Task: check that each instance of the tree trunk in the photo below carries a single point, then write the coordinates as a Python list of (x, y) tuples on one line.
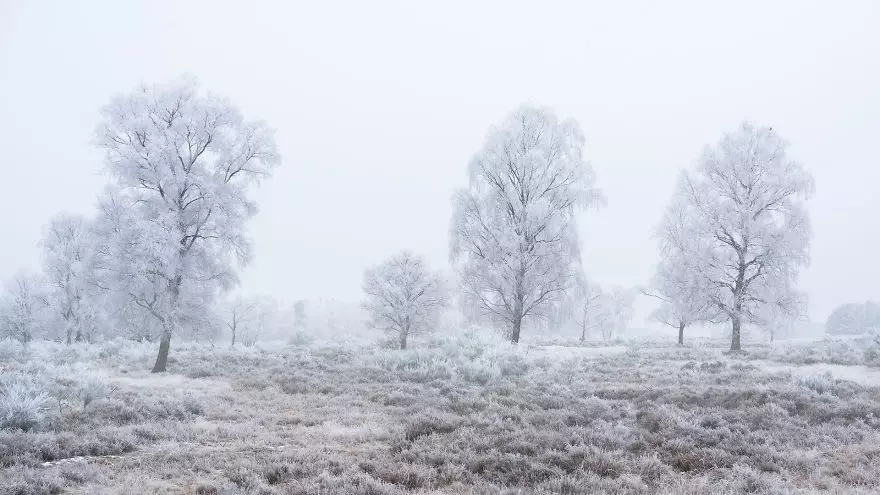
[(162, 358), (735, 338), (233, 337), (517, 326), (402, 340), (168, 327), (583, 333), (681, 334)]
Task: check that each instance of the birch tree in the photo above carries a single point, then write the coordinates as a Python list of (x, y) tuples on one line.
[(677, 283), (748, 223), (182, 164), (514, 240), (403, 297), (592, 313), (23, 307), (67, 260)]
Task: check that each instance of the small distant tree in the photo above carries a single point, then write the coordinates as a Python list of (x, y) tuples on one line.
[(239, 312), (854, 319), (593, 312), (403, 296), (606, 312), (678, 283), (68, 265), (249, 317), (621, 307), (23, 308), (514, 237), (300, 318)]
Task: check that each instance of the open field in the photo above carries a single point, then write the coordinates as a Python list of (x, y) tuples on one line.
[(457, 414)]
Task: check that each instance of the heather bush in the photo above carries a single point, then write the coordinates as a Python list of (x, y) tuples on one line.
[(23, 402)]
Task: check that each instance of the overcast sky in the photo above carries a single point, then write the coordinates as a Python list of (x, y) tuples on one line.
[(379, 105)]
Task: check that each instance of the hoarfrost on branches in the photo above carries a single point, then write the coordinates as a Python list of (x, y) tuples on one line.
[(514, 239), (748, 227), (182, 164), (403, 296)]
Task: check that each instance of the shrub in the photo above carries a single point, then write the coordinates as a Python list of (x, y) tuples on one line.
[(92, 388), (820, 382), (22, 403)]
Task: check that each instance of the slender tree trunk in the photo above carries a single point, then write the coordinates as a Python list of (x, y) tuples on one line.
[(518, 308), (69, 335), (583, 332), (735, 338), (162, 358), (402, 340), (233, 337), (681, 334), (168, 327)]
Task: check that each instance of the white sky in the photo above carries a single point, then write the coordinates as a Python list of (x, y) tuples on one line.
[(379, 105)]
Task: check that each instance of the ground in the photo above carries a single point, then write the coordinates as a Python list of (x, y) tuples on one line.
[(464, 413)]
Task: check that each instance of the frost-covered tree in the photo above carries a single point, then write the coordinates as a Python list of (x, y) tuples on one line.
[(249, 317), (403, 296), (300, 317), (748, 225), (854, 319), (620, 306), (677, 283), (23, 307), (592, 313), (602, 311), (182, 163), (68, 265), (514, 239), (239, 312), (683, 301)]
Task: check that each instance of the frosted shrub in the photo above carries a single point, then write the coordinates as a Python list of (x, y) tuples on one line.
[(22, 403), (92, 388), (820, 383)]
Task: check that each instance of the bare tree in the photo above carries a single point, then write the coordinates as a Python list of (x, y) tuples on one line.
[(514, 239), (183, 163), (403, 296), (748, 227), (240, 312), (593, 313)]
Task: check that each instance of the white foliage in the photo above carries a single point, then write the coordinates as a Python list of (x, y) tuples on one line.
[(68, 257), (678, 283), (852, 319), (605, 312), (24, 308), (514, 239), (403, 296), (173, 222), (23, 402), (747, 229)]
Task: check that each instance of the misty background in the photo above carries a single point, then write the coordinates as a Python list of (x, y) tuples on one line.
[(379, 106)]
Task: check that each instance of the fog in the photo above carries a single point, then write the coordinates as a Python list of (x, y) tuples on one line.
[(378, 107)]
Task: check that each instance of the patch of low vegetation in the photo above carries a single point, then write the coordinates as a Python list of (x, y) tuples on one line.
[(465, 413)]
